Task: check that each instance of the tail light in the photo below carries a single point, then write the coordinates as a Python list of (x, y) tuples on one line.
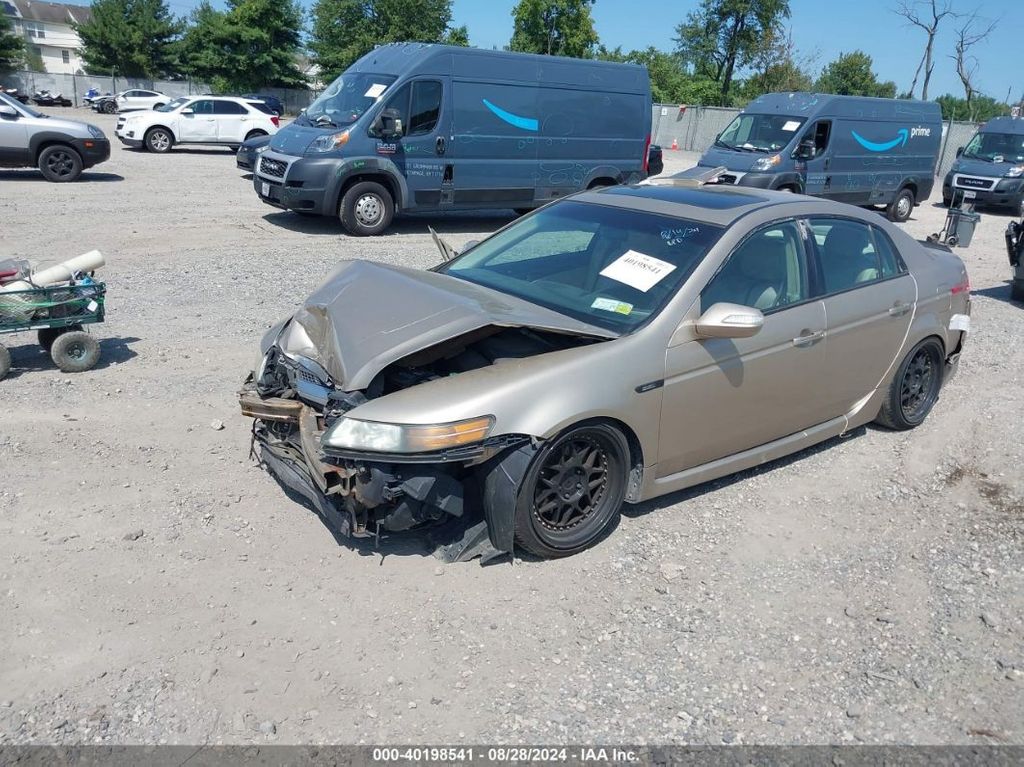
[(962, 287), (647, 152), (276, 120)]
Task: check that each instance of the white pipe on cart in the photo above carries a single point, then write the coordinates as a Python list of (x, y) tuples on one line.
[(53, 275)]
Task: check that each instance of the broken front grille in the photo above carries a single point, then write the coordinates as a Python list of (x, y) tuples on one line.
[(272, 168)]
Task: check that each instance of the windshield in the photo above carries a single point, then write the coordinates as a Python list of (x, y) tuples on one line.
[(347, 98), (996, 147), (18, 105), (610, 267), (174, 104), (760, 133)]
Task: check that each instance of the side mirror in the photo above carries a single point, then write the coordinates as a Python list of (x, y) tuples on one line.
[(188, 111), (805, 151), (388, 124), (729, 321), (959, 151), (9, 112)]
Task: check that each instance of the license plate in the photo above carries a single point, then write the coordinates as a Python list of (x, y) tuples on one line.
[(970, 195), (265, 189)]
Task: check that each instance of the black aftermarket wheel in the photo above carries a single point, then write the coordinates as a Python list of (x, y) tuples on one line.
[(75, 352), (573, 491), (915, 388), (60, 163)]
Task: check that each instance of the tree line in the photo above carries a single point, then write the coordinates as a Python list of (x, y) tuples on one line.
[(726, 53)]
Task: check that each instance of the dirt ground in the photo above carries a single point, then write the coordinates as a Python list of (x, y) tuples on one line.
[(157, 587)]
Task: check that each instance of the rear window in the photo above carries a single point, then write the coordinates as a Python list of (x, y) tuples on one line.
[(259, 106)]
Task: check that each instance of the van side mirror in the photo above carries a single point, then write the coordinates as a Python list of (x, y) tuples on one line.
[(388, 124), (959, 151), (724, 320), (805, 151), (8, 112)]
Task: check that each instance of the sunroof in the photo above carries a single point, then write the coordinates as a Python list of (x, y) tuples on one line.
[(684, 195)]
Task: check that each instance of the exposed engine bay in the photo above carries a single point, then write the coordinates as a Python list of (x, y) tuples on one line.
[(294, 400)]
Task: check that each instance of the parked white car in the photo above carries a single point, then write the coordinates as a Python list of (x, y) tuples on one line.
[(136, 99), (223, 120)]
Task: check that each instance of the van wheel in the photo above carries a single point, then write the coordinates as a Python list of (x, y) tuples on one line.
[(60, 163), (366, 209), (902, 206)]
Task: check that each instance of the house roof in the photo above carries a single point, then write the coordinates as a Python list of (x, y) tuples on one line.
[(54, 13)]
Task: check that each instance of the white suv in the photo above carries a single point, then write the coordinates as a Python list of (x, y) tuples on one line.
[(222, 120), (133, 100)]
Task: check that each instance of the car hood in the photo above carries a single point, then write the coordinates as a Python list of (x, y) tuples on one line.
[(983, 167), (294, 139), (368, 315), (739, 161), (71, 126)]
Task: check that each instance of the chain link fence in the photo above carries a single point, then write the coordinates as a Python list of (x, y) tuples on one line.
[(695, 128), (74, 87)]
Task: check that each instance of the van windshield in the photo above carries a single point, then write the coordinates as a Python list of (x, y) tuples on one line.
[(347, 98), (996, 147), (759, 133)]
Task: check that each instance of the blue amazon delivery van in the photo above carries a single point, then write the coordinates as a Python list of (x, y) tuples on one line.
[(420, 127), (990, 169), (863, 151)]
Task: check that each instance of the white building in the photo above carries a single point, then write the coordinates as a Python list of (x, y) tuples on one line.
[(47, 29)]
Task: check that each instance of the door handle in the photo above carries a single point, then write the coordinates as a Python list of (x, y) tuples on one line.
[(808, 338), (440, 145), (899, 309)]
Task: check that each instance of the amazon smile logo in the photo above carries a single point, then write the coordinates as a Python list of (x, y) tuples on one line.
[(524, 123), (902, 135)]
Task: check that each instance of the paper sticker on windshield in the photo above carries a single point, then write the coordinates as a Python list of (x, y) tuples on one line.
[(637, 270), (611, 305), (791, 126), (375, 90)]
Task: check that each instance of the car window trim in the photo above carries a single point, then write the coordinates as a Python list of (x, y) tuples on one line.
[(795, 220), (859, 286)]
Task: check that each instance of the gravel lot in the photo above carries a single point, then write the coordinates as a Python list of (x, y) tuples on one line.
[(156, 587)]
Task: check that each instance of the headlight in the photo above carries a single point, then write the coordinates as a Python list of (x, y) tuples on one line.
[(262, 149), (96, 132), (353, 434), (767, 163), (329, 142), (1015, 171)]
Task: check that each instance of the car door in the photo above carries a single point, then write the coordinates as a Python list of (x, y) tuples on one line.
[(869, 298), (14, 144), (232, 119), (723, 396), (196, 122), (420, 153), (818, 180)]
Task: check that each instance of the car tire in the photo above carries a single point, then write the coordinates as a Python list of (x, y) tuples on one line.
[(75, 352), (109, 107), (573, 491), (5, 362), (60, 163), (915, 387), (47, 336), (1017, 290), (366, 209), (902, 205), (158, 140)]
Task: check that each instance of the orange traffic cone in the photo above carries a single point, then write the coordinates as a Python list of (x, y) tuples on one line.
[(675, 144)]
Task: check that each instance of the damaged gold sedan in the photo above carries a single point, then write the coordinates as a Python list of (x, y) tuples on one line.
[(609, 348)]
